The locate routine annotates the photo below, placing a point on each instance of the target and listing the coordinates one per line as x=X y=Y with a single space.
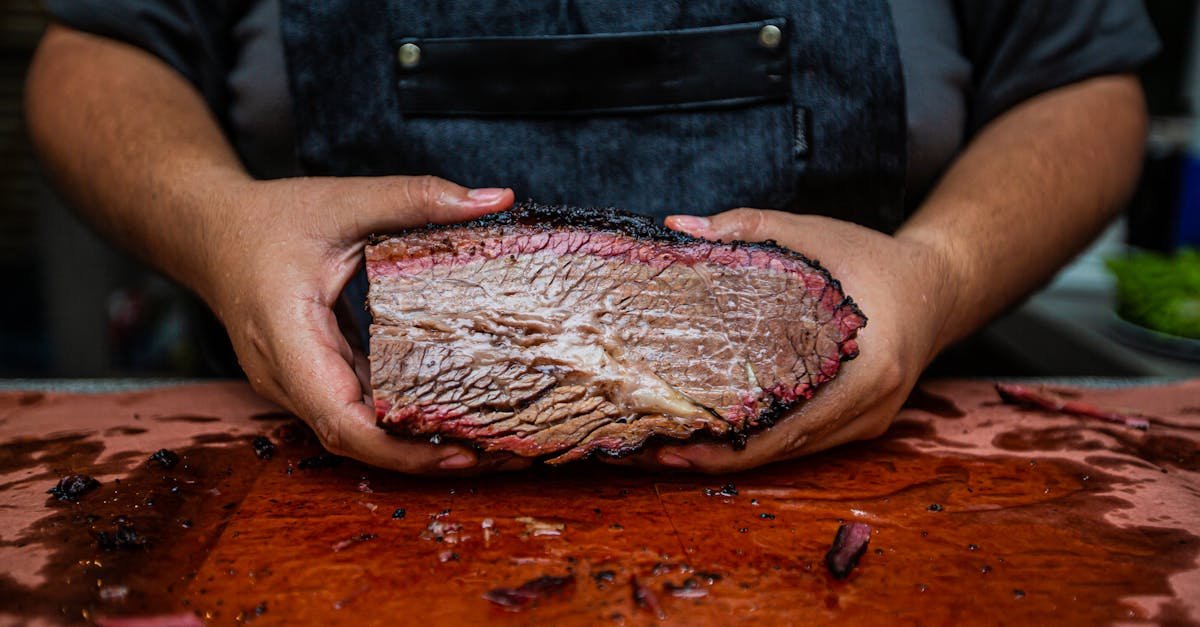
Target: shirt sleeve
x=1020 y=48
x=192 y=36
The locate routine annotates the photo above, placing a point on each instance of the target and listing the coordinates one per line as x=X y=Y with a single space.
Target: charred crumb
x=263 y=447
x=165 y=458
x=743 y=529
x=1018 y=593
x=604 y=577
x=848 y=546
x=514 y=599
x=767 y=516
x=124 y=537
x=399 y=513
x=71 y=487
x=248 y=615
x=324 y=460
x=729 y=489
x=689 y=589
x=935 y=507
x=645 y=599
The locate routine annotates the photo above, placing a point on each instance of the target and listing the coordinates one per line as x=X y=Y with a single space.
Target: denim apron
x=655 y=107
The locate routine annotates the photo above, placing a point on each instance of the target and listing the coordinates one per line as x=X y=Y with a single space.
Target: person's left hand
x=906 y=290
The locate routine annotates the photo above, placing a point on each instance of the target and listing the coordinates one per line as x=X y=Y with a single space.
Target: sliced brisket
x=556 y=332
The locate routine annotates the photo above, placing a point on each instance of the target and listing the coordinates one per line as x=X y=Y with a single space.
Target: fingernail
x=674 y=461
x=457 y=460
x=486 y=195
x=690 y=224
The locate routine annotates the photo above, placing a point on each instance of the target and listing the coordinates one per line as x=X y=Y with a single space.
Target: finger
x=866 y=427
x=327 y=394
x=362 y=370
x=644 y=458
x=800 y=430
x=491 y=462
x=392 y=203
x=356 y=353
x=736 y=224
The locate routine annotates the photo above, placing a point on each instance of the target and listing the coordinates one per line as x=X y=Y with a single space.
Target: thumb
x=392 y=203
x=736 y=224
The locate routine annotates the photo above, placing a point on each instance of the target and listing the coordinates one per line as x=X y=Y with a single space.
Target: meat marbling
x=559 y=332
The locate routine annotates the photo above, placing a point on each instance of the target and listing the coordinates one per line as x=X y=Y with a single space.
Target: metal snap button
x=770 y=36
x=410 y=55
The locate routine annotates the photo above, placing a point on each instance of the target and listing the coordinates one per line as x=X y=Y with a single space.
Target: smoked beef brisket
x=556 y=332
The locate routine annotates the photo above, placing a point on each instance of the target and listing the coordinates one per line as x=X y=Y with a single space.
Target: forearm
x=134 y=147
x=1029 y=192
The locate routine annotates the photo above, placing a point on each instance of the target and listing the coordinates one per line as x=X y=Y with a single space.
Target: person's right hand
x=275 y=263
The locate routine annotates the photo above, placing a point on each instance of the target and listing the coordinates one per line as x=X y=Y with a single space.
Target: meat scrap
x=352 y=540
x=514 y=599
x=123 y=538
x=71 y=487
x=848 y=546
x=1016 y=394
x=264 y=448
x=559 y=333
x=165 y=458
x=535 y=527
x=182 y=619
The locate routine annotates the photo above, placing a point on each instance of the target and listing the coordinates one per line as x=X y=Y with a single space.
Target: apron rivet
x=410 y=55
x=770 y=36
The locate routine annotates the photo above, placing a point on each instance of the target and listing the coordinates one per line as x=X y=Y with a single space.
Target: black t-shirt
x=964 y=62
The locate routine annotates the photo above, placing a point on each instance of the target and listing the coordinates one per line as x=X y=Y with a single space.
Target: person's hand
x=906 y=291
x=276 y=264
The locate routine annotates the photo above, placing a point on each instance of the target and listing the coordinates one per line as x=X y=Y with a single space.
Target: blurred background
x=75 y=307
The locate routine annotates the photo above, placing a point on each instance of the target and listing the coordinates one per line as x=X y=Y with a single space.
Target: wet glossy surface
x=977 y=510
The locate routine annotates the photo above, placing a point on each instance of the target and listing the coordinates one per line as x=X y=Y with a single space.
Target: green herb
x=1160 y=292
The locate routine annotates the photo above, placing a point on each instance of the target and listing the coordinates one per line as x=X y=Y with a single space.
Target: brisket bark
x=559 y=332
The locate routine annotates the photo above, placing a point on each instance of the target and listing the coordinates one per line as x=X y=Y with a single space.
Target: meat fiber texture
x=558 y=333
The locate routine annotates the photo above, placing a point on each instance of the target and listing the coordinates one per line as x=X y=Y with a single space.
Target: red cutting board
x=980 y=511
